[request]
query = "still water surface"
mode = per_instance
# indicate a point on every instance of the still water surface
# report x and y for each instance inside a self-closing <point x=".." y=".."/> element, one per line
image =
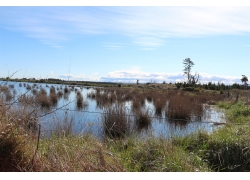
<point x="89" y="119"/>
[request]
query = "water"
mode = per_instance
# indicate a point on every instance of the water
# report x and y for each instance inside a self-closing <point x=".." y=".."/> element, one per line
<point x="89" y="119"/>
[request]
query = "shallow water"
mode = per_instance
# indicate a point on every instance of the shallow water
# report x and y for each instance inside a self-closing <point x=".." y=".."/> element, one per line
<point x="89" y="119"/>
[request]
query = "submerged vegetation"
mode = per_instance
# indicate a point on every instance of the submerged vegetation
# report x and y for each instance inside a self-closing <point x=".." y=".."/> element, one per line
<point x="25" y="147"/>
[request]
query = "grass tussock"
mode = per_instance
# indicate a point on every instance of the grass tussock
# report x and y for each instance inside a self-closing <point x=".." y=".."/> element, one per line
<point x="142" y="119"/>
<point x="155" y="155"/>
<point x="116" y="121"/>
<point x="80" y="103"/>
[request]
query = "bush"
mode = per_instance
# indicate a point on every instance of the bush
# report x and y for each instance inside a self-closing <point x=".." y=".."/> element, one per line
<point x="188" y="89"/>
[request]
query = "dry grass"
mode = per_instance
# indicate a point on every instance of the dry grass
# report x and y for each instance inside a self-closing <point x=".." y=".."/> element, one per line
<point x="116" y="121"/>
<point x="142" y="119"/>
<point x="21" y="150"/>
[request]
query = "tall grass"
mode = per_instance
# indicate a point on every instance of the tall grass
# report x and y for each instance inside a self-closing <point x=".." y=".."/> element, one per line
<point x="116" y="121"/>
<point x="143" y="119"/>
<point x="80" y="102"/>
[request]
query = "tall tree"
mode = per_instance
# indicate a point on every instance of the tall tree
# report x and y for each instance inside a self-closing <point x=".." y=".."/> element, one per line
<point x="188" y="64"/>
<point x="244" y="80"/>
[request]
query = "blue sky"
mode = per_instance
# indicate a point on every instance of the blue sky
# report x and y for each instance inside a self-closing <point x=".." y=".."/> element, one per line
<point x="125" y="43"/>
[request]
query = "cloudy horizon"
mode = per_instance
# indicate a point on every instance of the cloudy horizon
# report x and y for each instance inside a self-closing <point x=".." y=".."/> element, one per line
<point x="117" y="43"/>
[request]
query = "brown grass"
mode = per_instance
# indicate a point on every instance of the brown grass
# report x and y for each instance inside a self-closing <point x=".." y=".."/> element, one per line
<point x="142" y="119"/>
<point x="116" y="122"/>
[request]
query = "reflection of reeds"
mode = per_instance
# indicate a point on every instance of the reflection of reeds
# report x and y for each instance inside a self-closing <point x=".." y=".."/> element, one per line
<point x="116" y="122"/>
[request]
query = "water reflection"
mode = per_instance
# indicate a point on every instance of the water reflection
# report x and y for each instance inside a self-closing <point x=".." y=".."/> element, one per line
<point x="81" y="110"/>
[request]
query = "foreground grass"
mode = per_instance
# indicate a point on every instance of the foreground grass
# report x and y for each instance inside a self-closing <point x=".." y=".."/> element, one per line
<point x="227" y="149"/>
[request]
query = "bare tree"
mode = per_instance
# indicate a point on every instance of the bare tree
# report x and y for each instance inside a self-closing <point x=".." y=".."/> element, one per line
<point x="188" y="64"/>
<point x="244" y="80"/>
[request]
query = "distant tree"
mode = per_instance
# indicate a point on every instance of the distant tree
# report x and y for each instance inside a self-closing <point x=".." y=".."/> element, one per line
<point x="137" y="81"/>
<point x="188" y="64"/>
<point x="244" y="80"/>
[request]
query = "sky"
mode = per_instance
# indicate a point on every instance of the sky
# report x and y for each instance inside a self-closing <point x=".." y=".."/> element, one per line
<point x="125" y="43"/>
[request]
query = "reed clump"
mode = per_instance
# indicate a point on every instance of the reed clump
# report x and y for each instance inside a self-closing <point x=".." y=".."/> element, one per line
<point x="80" y="103"/>
<point x="43" y="100"/>
<point x="11" y="86"/>
<point x="159" y="103"/>
<point x="53" y="96"/>
<point x="91" y="95"/>
<point x="116" y="121"/>
<point x="28" y="87"/>
<point x="59" y="94"/>
<point x="66" y="90"/>
<point x="6" y="93"/>
<point x="34" y="91"/>
<point x="142" y="119"/>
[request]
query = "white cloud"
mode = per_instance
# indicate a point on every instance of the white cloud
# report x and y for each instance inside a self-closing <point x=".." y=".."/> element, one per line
<point x="148" y="27"/>
<point x="81" y="77"/>
<point x="148" y="43"/>
<point x="113" y="45"/>
<point x="134" y="74"/>
<point x="130" y="76"/>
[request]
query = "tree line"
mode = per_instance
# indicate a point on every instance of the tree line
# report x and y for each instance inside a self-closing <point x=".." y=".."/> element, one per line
<point x="193" y="80"/>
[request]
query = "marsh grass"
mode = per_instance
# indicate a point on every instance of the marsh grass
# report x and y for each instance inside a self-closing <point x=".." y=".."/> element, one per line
<point x="80" y="102"/>
<point x="34" y="91"/>
<point x="155" y="155"/>
<point x="6" y="93"/>
<point x="227" y="149"/>
<point x="159" y="103"/>
<point x="59" y="94"/>
<point x="116" y="121"/>
<point x="143" y="119"/>
<point x="43" y="99"/>
<point x="53" y="96"/>
<point x="28" y="87"/>
<point x="66" y="90"/>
